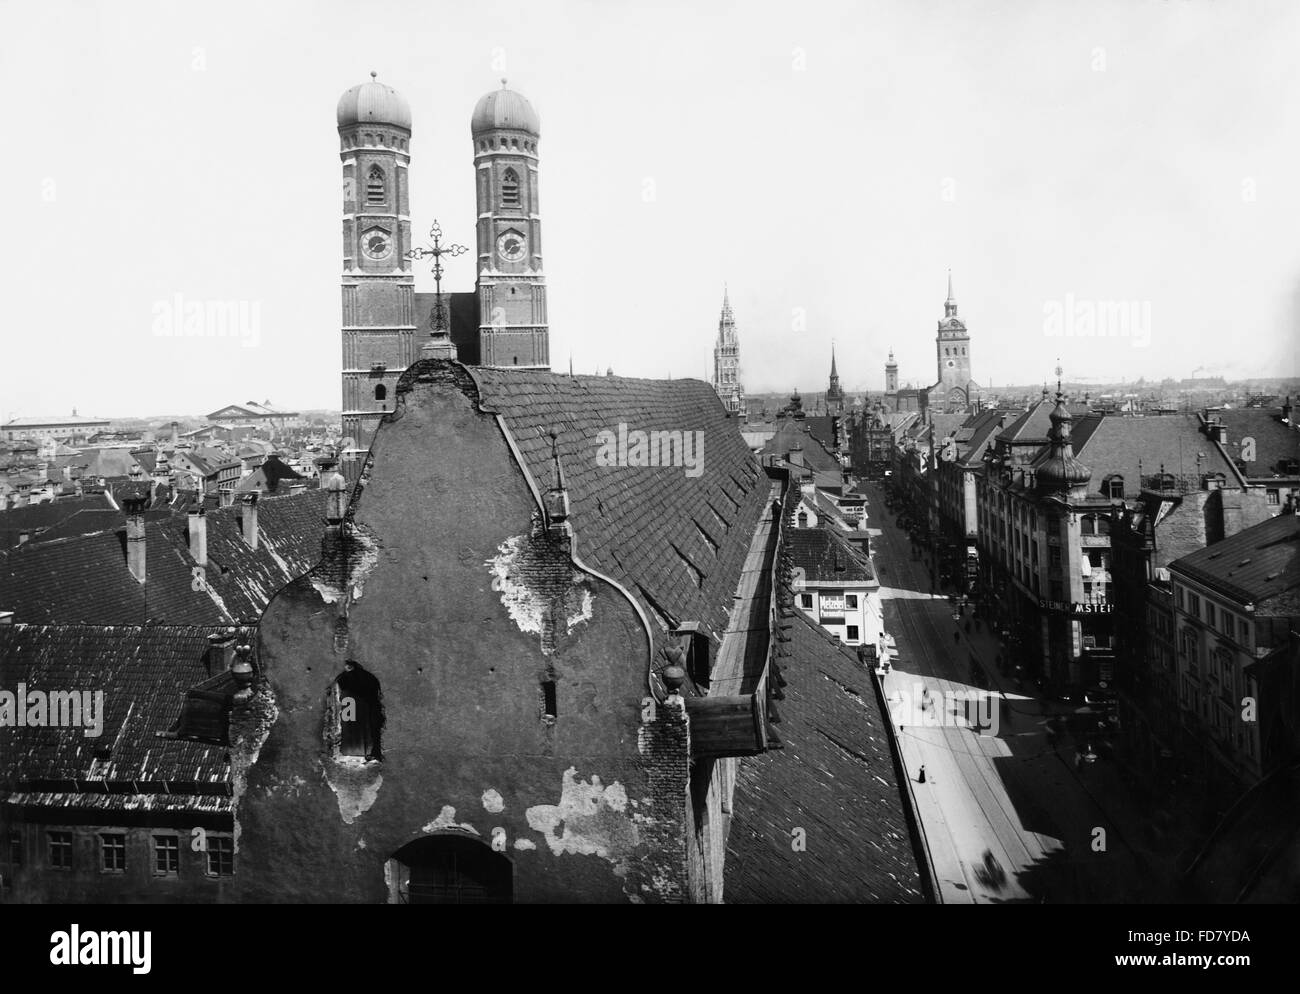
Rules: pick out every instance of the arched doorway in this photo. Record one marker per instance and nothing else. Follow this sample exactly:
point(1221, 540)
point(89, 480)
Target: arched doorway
point(449, 869)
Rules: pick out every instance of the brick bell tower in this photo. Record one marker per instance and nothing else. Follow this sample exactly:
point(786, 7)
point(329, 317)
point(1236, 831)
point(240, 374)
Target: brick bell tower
point(374, 124)
point(511, 286)
point(952, 355)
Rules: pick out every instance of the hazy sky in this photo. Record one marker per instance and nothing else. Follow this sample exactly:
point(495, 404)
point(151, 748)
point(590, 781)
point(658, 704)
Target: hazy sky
point(829, 161)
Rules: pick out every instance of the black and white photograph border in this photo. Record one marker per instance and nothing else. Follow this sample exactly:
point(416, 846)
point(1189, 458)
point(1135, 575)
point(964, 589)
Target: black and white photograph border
point(570, 555)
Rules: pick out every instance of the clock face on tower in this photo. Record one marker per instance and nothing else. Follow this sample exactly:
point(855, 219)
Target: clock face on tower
point(511, 246)
point(951, 364)
point(376, 244)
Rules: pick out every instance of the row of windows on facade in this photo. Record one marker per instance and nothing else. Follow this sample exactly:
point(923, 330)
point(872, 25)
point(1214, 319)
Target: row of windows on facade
point(376, 187)
point(1220, 716)
point(954, 351)
point(1218, 618)
point(219, 853)
point(368, 138)
point(506, 143)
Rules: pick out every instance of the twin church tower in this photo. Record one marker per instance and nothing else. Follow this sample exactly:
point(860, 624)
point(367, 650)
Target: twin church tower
point(386, 323)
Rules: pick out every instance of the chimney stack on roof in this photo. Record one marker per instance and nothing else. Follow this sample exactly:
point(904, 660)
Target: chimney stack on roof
point(221, 648)
point(198, 535)
point(336, 501)
point(133, 503)
point(1286, 409)
point(248, 519)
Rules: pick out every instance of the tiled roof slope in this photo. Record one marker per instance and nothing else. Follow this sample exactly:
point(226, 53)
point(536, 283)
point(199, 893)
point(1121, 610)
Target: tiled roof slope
point(822, 428)
point(975, 436)
point(838, 779)
point(641, 526)
point(1274, 441)
point(1109, 444)
point(825, 557)
point(144, 674)
point(815, 455)
point(85, 580)
point(1253, 565)
point(947, 424)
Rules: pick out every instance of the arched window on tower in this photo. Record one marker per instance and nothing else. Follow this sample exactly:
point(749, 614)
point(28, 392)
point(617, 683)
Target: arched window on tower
point(375, 186)
point(381, 392)
point(510, 189)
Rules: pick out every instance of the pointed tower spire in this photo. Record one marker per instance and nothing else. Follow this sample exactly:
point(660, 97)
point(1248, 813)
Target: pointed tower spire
point(834, 395)
point(950, 305)
point(726, 358)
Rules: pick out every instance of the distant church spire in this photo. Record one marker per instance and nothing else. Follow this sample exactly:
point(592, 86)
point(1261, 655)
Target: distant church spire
point(834, 395)
point(726, 359)
point(950, 305)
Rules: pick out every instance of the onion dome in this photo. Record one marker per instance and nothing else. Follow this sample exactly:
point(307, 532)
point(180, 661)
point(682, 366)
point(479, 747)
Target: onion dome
point(1061, 470)
point(374, 103)
point(504, 110)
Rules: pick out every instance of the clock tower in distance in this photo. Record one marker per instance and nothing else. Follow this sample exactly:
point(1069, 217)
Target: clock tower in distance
point(952, 351)
point(511, 288)
point(374, 125)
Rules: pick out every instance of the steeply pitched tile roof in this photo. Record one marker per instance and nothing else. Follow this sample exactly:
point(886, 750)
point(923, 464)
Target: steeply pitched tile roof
point(84, 579)
point(1252, 566)
point(838, 779)
point(1274, 441)
point(815, 455)
point(826, 557)
point(1110, 444)
point(144, 674)
point(822, 428)
point(677, 543)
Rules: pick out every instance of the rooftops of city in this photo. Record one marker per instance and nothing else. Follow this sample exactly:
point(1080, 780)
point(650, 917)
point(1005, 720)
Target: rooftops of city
point(1252, 567)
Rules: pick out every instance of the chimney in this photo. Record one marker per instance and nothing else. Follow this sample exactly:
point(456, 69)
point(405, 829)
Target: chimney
point(134, 504)
point(221, 648)
point(176, 433)
point(248, 519)
point(24, 535)
point(336, 500)
point(1286, 409)
point(198, 535)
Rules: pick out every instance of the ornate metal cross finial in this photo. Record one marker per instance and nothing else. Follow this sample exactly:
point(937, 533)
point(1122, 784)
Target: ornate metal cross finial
point(435, 252)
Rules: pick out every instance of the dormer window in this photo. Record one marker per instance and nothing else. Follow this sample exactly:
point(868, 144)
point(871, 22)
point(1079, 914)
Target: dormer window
point(375, 186)
point(510, 189)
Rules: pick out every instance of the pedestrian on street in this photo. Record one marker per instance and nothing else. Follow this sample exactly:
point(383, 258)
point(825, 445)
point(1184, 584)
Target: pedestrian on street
point(921, 778)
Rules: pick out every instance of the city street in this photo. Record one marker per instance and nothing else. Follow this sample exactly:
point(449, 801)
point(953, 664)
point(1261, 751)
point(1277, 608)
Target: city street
point(1013, 816)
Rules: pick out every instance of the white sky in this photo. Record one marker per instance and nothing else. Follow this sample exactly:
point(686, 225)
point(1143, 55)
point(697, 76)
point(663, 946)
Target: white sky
point(156, 149)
